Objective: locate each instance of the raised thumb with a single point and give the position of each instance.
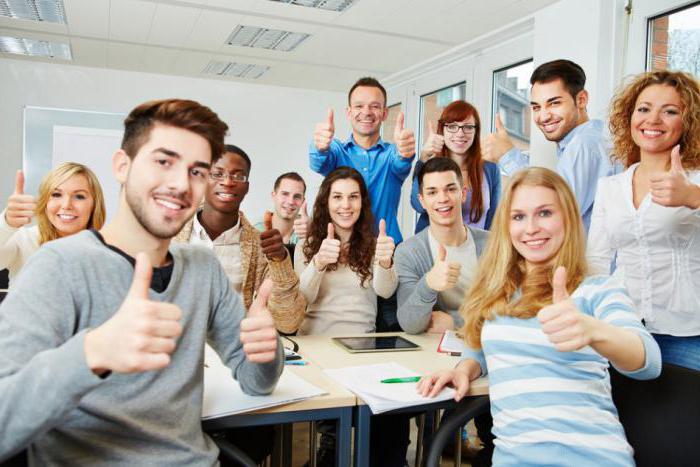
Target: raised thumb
(676, 163)
(267, 220)
(399, 123)
(499, 124)
(263, 295)
(141, 281)
(442, 252)
(19, 183)
(331, 231)
(559, 292)
(304, 213)
(431, 128)
(329, 118)
(382, 228)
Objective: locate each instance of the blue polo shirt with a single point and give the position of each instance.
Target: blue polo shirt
(381, 166)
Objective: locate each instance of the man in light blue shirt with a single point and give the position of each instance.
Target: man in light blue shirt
(383, 165)
(558, 102)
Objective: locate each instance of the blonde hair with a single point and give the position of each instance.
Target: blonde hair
(51, 181)
(502, 270)
(623, 105)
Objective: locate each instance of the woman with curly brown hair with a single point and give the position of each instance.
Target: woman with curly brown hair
(343, 266)
(648, 218)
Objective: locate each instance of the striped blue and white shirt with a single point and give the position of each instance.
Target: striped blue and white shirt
(555, 408)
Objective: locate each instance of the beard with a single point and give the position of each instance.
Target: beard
(163, 229)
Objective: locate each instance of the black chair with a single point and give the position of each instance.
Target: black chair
(661, 416)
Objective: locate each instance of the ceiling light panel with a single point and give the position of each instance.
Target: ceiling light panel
(35, 48)
(237, 69)
(263, 38)
(331, 5)
(51, 11)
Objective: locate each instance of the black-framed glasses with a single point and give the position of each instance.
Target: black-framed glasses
(234, 177)
(467, 129)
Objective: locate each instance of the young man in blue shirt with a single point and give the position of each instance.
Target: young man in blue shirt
(558, 102)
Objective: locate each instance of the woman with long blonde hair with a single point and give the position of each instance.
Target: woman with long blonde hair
(646, 218)
(545, 332)
(70, 200)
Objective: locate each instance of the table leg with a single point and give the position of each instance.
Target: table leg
(363, 414)
(343, 452)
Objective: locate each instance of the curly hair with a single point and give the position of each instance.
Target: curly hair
(623, 105)
(359, 252)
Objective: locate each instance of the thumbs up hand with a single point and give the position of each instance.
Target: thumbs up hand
(271, 241)
(301, 223)
(673, 188)
(258, 333)
(20, 207)
(323, 134)
(404, 139)
(140, 336)
(433, 143)
(329, 251)
(565, 326)
(444, 274)
(384, 250)
(498, 143)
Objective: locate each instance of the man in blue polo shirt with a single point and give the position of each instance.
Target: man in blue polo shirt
(384, 166)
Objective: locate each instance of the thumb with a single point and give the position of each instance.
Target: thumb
(141, 281)
(442, 252)
(331, 231)
(431, 128)
(382, 228)
(267, 220)
(304, 213)
(329, 118)
(19, 183)
(559, 292)
(260, 302)
(676, 163)
(399, 123)
(499, 124)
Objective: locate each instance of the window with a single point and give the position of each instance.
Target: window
(390, 123)
(674, 41)
(431, 105)
(511, 99)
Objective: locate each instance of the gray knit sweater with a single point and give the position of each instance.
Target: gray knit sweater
(416, 300)
(51, 401)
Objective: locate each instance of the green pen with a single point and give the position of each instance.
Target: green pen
(407, 379)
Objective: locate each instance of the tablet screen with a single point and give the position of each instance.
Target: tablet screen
(376, 344)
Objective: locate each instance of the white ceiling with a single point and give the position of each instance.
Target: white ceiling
(180, 37)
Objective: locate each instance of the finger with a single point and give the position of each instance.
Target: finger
(461, 384)
(166, 311)
(19, 183)
(20, 214)
(264, 357)
(159, 345)
(548, 313)
(431, 129)
(329, 119)
(440, 384)
(304, 213)
(499, 124)
(152, 361)
(260, 345)
(166, 328)
(676, 164)
(442, 252)
(382, 228)
(259, 305)
(141, 281)
(267, 220)
(399, 125)
(331, 231)
(657, 177)
(559, 292)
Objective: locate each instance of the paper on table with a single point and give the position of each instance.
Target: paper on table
(451, 343)
(223, 395)
(365, 381)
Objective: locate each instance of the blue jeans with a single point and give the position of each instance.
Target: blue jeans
(681, 351)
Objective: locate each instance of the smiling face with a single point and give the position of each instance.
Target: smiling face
(536, 224)
(459, 142)
(441, 196)
(555, 111)
(656, 122)
(288, 198)
(165, 181)
(345, 204)
(70, 205)
(367, 110)
(226, 195)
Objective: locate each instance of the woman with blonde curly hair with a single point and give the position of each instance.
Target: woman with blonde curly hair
(70, 200)
(545, 332)
(647, 219)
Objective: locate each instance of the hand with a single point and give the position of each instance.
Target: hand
(404, 139)
(20, 207)
(440, 322)
(498, 143)
(384, 251)
(258, 333)
(140, 336)
(430, 386)
(329, 251)
(443, 275)
(433, 143)
(301, 223)
(271, 240)
(323, 134)
(565, 326)
(673, 188)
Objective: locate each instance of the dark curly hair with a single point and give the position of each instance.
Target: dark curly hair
(359, 253)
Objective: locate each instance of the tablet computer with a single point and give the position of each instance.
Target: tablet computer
(375, 344)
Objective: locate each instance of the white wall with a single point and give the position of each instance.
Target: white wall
(272, 124)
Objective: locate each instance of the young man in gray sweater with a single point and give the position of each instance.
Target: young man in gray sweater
(102, 336)
(437, 266)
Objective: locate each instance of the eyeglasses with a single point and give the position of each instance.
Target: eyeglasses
(234, 177)
(454, 128)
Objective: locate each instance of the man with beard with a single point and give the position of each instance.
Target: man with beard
(102, 337)
(248, 257)
(558, 104)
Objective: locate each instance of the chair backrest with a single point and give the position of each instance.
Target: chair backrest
(661, 417)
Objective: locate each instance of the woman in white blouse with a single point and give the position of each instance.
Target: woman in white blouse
(343, 265)
(647, 219)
